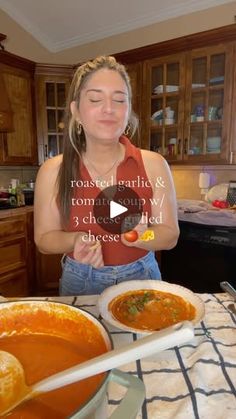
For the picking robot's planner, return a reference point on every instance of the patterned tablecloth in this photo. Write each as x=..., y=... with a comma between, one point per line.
x=193, y=381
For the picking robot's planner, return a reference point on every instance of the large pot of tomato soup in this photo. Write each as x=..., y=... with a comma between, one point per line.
x=48, y=337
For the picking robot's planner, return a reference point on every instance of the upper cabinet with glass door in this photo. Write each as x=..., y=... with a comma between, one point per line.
x=188, y=105
x=135, y=74
x=51, y=101
x=207, y=104
x=55, y=105
x=165, y=79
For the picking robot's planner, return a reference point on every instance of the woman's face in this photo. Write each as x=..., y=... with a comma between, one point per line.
x=104, y=106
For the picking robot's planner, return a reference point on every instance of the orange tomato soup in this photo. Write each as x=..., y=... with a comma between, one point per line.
x=42, y=355
x=150, y=309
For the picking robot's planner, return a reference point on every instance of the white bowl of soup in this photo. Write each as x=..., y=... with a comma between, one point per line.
x=145, y=306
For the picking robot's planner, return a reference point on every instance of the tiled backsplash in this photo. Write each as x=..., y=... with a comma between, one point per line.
x=24, y=174
x=186, y=178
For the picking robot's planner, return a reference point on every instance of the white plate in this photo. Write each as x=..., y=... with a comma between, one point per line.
x=109, y=293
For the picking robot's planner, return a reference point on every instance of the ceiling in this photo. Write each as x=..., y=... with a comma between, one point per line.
x=61, y=24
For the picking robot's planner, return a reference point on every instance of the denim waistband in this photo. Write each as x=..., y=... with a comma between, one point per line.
x=146, y=262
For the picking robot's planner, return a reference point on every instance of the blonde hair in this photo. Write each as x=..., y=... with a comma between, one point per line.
x=74, y=139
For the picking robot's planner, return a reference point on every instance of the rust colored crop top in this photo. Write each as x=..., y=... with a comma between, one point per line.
x=81, y=217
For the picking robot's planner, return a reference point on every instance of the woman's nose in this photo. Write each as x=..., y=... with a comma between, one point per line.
x=108, y=105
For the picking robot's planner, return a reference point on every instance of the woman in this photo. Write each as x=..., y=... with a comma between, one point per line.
x=97, y=154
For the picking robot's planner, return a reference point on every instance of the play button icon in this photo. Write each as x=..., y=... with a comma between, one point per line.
x=117, y=209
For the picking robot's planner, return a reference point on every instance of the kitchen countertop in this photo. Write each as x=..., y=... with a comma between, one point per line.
x=16, y=211
x=192, y=381
x=201, y=212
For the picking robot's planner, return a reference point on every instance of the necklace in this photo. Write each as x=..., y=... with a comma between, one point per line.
x=101, y=176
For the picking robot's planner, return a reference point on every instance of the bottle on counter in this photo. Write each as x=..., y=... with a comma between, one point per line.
x=12, y=195
x=20, y=197
x=31, y=184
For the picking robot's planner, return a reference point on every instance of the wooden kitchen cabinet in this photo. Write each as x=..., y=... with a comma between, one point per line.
x=52, y=84
x=48, y=269
x=164, y=102
x=23, y=270
x=233, y=119
x=135, y=73
x=14, y=284
x=31, y=265
x=14, y=279
x=19, y=146
x=188, y=105
x=209, y=82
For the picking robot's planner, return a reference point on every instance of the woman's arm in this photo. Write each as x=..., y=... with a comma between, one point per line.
x=48, y=234
x=164, y=219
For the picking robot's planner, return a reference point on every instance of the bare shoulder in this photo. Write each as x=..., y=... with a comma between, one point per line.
x=46, y=179
x=157, y=169
x=153, y=160
x=51, y=166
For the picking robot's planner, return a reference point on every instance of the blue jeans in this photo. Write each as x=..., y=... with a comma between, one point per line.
x=80, y=279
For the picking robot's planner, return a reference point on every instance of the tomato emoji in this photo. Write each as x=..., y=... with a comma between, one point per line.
x=131, y=236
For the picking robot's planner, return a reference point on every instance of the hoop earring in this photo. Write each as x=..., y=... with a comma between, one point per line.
x=127, y=130
x=79, y=128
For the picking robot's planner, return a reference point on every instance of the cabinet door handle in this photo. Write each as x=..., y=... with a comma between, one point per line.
x=231, y=157
x=185, y=146
x=179, y=146
x=46, y=151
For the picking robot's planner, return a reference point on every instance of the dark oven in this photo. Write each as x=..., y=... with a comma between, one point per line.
x=204, y=256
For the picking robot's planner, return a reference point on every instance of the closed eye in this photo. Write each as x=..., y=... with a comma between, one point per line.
x=119, y=100
x=114, y=100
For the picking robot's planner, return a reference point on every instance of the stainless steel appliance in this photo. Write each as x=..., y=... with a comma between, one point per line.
x=204, y=256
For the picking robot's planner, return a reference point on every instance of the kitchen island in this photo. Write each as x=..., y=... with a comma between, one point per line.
x=192, y=381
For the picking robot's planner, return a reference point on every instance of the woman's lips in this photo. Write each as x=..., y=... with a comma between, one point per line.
x=108, y=121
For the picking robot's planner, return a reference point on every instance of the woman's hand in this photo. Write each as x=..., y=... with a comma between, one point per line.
x=88, y=252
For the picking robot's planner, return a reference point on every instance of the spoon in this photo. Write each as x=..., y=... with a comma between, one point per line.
x=227, y=287
x=13, y=389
